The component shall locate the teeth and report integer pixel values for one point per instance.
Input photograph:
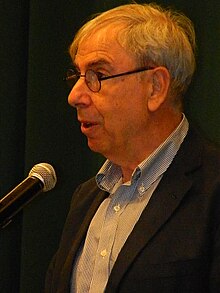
(87, 124)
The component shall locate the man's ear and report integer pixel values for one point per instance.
(160, 87)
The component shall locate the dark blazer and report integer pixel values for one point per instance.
(175, 245)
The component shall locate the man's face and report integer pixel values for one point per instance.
(115, 119)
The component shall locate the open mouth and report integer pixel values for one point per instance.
(87, 124)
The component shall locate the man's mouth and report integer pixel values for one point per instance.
(87, 124)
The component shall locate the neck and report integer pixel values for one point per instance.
(137, 152)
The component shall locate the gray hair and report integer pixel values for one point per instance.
(154, 35)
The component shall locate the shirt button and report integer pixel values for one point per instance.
(117, 208)
(141, 189)
(103, 253)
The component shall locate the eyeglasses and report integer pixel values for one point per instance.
(93, 79)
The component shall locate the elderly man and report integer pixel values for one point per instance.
(149, 220)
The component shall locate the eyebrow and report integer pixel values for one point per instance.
(99, 62)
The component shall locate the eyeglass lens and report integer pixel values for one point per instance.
(91, 79)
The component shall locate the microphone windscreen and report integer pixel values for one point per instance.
(46, 174)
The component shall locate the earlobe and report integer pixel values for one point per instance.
(160, 87)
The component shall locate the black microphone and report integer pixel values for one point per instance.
(41, 178)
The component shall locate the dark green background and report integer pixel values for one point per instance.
(37, 125)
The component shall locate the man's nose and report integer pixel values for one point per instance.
(79, 95)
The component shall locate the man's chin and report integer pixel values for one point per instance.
(95, 147)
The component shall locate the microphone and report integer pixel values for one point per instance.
(41, 178)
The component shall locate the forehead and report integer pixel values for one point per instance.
(102, 47)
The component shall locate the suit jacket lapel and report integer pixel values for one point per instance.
(166, 198)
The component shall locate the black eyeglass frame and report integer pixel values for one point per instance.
(76, 76)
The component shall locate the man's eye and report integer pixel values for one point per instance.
(100, 75)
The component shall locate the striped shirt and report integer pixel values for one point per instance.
(118, 214)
